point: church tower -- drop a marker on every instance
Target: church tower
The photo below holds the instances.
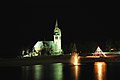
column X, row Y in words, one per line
column 57, row 39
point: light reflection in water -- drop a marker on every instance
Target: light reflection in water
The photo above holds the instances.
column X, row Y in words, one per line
column 32, row 72
column 77, row 69
column 41, row 72
column 76, row 72
column 58, row 71
column 100, row 70
column 37, row 72
column 25, row 72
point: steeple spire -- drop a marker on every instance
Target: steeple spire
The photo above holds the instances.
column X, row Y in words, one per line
column 56, row 29
column 74, row 49
column 56, row 24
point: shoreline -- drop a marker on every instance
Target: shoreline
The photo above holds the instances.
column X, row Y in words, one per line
column 55, row 59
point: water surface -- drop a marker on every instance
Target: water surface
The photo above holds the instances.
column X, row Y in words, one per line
column 60, row 71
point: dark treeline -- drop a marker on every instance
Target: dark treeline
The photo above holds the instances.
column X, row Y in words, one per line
column 83, row 47
column 90, row 46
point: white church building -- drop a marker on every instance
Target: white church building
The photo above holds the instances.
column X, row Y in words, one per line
column 48, row 47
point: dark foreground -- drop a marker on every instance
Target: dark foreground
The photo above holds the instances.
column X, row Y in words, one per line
column 54, row 59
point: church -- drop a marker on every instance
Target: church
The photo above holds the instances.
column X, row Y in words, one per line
column 49, row 47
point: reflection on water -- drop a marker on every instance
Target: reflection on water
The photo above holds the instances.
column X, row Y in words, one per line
column 76, row 72
column 77, row 69
column 38, row 72
column 25, row 72
column 43, row 72
column 57, row 71
column 100, row 70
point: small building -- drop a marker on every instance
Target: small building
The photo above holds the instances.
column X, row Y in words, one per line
column 99, row 52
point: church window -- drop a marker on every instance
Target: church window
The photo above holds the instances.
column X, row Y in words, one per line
column 56, row 37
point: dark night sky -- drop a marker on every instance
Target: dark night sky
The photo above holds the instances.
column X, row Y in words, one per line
column 27, row 23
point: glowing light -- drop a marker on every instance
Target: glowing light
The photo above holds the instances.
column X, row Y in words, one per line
column 75, row 59
column 99, row 52
column 100, row 70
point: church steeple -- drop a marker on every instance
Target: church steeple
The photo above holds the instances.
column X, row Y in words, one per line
column 57, row 31
column 57, row 39
column 56, row 24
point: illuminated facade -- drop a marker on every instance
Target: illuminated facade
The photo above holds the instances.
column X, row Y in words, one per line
column 99, row 52
column 49, row 47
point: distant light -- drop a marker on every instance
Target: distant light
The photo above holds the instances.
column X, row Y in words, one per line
column 112, row 49
column 75, row 59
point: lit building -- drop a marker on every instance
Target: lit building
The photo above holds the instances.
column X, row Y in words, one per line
column 99, row 52
column 49, row 47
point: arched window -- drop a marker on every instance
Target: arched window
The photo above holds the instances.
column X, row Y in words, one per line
column 56, row 37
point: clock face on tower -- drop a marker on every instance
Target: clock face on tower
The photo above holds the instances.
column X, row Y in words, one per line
column 56, row 29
